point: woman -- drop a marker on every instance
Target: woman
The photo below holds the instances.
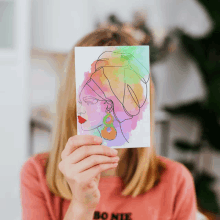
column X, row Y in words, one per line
column 78, row 178
column 113, row 96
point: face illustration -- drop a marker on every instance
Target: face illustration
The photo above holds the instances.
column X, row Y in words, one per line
column 91, row 109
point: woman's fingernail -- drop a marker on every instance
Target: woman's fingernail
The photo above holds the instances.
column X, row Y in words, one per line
column 114, row 151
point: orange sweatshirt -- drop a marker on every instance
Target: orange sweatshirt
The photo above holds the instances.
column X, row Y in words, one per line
column 173, row 198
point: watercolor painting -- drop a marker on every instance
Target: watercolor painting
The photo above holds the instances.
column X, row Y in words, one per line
column 113, row 100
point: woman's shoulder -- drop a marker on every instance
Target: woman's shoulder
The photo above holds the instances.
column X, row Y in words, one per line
column 34, row 166
column 176, row 170
column 38, row 159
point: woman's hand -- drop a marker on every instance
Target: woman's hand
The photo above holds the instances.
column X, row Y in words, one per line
column 83, row 160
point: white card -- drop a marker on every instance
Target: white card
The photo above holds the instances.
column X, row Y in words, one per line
column 113, row 94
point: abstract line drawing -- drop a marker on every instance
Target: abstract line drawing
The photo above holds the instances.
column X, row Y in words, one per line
column 113, row 96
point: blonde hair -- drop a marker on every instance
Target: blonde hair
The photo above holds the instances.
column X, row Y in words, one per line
column 143, row 172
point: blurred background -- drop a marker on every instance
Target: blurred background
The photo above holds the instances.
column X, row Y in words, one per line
column 35, row 38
